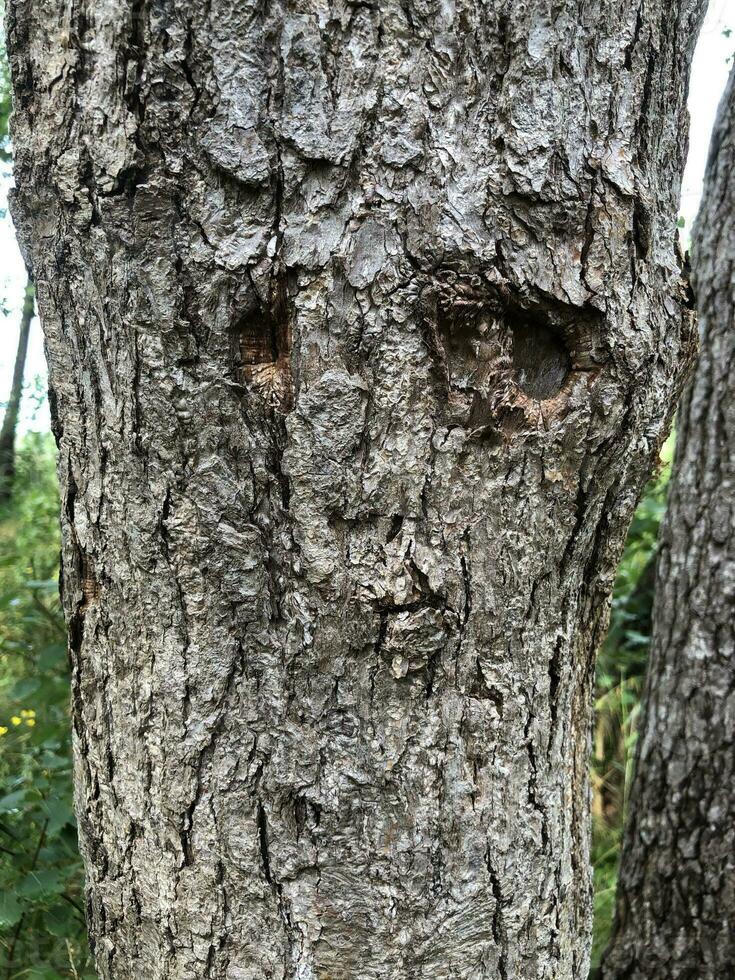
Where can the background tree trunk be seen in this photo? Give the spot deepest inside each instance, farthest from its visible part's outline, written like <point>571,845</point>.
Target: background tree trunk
<point>676,893</point>
<point>364,326</point>
<point>10,419</point>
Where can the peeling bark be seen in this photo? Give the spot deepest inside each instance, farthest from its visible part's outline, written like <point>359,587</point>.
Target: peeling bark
<point>676,894</point>
<point>364,323</point>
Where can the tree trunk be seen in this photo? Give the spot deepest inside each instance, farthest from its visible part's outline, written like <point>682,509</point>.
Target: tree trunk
<point>676,894</point>
<point>10,419</point>
<point>365,324</point>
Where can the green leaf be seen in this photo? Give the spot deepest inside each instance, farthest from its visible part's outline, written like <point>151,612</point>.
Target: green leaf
<point>10,909</point>
<point>59,814</point>
<point>636,638</point>
<point>52,656</point>
<point>61,920</point>
<point>42,972</point>
<point>22,689</point>
<point>39,884</point>
<point>50,760</point>
<point>13,801</point>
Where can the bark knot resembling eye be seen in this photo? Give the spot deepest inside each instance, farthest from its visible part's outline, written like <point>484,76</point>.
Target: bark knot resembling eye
<point>264,342</point>
<point>541,361</point>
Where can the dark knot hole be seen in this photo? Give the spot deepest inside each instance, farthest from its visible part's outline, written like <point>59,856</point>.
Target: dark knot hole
<point>541,361</point>
<point>264,340</point>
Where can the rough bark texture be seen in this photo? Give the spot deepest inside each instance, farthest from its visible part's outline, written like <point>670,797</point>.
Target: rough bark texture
<point>364,324</point>
<point>676,895</point>
<point>10,419</point>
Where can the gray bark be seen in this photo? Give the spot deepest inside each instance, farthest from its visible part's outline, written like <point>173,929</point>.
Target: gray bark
<point>364,326</point>
<point>676,894</point>
<point>12,409</point>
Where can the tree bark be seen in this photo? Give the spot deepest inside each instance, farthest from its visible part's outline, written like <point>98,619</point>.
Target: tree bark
<point>10,419</point>
<point>676,893</point>
<point>365,323</point>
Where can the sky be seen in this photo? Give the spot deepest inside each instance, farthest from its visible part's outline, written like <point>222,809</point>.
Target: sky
<point>712,60</point>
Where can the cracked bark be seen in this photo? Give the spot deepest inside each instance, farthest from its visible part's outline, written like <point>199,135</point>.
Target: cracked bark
<point>364,325</point>
<point>676,895</point>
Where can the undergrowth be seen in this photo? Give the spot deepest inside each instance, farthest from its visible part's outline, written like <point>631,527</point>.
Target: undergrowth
<point>620,674</point>
<point>42,933</point>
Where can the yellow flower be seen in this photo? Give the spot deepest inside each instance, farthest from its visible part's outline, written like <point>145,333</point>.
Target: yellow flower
<point>31,722</point>
<point>15,720</point>
<point>27,713</point>
<point>3,730</point>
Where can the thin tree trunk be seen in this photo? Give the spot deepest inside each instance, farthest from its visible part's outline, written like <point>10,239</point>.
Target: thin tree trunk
<point>10,419</point>
<point>676,894</point>
<point>364,324</point>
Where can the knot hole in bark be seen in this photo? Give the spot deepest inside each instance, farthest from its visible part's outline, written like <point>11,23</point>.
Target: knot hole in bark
<point>88,581</point>
<point>264,348</point>
<point>541,361</point>
<point>504,366</point>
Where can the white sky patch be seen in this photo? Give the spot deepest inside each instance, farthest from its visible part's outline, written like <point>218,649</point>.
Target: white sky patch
<point>710,68</point>
<point>12,284</point>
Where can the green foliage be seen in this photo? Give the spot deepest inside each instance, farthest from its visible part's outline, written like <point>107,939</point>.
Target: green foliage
<point>620,674</point>
<point>42,933</point>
